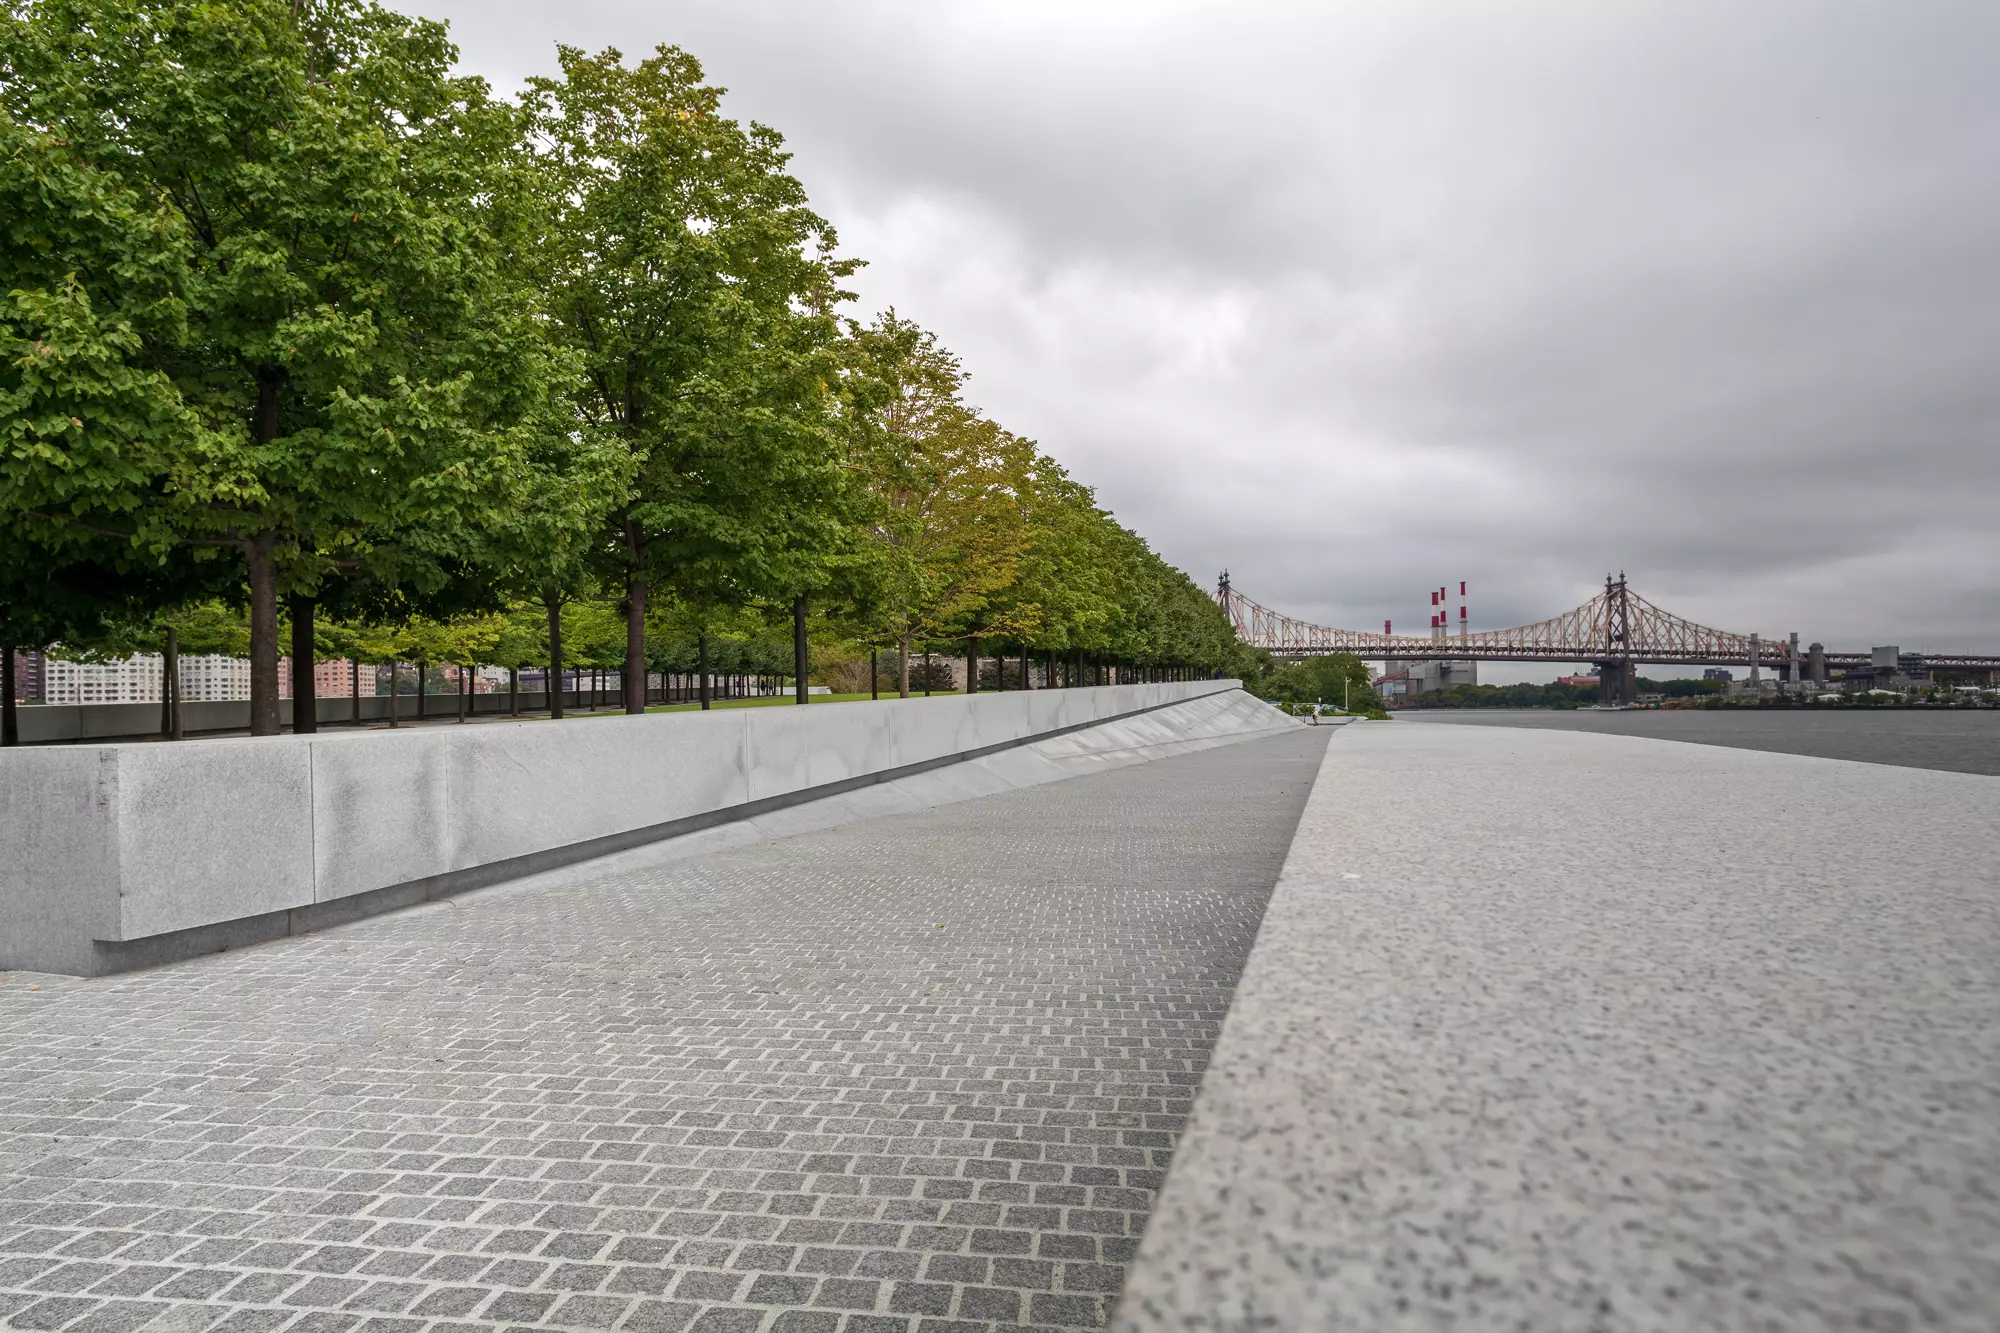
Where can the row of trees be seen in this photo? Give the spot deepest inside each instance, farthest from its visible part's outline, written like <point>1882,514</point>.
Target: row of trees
<point>1339,680</point>
<point>297,318</point>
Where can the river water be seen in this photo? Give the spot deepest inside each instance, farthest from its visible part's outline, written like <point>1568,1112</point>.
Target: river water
<point>1957,740</point>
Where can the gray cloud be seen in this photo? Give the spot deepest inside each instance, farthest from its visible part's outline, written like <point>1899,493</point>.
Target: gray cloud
<point>1362,300</point>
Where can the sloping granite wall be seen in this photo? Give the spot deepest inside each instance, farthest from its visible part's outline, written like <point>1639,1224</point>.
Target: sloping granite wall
<point>120,856</point>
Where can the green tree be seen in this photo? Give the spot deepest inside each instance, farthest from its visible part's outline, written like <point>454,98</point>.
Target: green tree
<point>941,491</point>
<point>1340,679</point>
<point>324,179</point>
<point>684,267</point>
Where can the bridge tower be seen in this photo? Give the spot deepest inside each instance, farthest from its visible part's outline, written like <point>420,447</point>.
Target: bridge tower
<point>1617,681</point>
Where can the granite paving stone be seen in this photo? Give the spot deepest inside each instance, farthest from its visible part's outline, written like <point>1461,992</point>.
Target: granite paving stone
<point>923,1072</point>
<point>1618,1035</point>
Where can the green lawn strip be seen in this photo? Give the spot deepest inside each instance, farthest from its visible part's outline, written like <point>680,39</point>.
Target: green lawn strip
<point>770,701</point>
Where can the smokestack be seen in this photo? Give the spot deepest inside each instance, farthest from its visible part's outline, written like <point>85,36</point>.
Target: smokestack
<point>1386,631</point>
<point>1461,587</point>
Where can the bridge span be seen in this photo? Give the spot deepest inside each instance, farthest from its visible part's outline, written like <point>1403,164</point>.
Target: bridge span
<point>1617,629</point>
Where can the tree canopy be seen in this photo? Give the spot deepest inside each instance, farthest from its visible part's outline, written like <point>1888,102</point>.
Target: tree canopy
<point>296,320</point>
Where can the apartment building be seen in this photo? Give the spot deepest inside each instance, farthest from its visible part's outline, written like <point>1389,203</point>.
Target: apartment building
<point>137,680</point>
<point>132,680</point>
<point>209,678</point>
<point>329,679</point>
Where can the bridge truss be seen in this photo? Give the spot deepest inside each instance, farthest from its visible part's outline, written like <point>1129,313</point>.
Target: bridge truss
<point>1617,625</point>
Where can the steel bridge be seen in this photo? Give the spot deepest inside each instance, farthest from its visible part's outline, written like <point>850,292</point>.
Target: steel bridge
<point>1616,628</point>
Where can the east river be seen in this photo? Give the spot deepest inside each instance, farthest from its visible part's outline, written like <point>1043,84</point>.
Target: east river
<point>1957,740</point>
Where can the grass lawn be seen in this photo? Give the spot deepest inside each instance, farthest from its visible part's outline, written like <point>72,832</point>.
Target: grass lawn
<point>780,701</point>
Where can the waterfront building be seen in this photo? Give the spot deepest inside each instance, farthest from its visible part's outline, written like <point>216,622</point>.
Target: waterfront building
<point>330,679</point>
<point>212,677</point>
<point>205,678</point>
<point>129,680</point>
<point>1402,677</point>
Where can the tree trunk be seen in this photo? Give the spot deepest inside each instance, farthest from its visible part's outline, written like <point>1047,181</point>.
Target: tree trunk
<point>305,700</point>
<point>173,666</point>
<point>263,580</point>
<point>514,691</point>
<point>354,690</point>
<point>172,697</point>
<point>874,673</point>
<point>801,654</point>
<point>10,720</point>
<point>423,687</point>
<point>903,666</point>
<point>464,690</point>
<point>394,720</point>
<point>635,619</point>
<point>166,689</point>
<point>258,566</point>
<point>972,665</point>
<point>705,687</point>
<point>555,657</point>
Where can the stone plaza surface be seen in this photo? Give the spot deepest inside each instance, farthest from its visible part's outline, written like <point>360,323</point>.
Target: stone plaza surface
<point>923,1072</point>
<point>1551,1031</point>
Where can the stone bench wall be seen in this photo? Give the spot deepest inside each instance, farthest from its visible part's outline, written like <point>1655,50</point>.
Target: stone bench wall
<point>117,856</point>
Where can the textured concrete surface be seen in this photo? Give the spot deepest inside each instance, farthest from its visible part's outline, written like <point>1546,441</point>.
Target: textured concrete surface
<point>1184,728</point>
<point>1957,740</point>
<point>919,1073</point>
<point>213,842</point>
<point>1548,1031</point>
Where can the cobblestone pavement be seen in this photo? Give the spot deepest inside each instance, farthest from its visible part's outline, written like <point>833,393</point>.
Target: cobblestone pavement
<point>921,1073</point>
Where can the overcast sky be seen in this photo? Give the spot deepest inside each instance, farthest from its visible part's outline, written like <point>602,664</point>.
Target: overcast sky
<point>1363,300</point>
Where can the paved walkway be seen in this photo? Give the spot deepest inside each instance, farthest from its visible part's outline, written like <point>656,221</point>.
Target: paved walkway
<point>1553,1032</point>
<point>921,1073</point>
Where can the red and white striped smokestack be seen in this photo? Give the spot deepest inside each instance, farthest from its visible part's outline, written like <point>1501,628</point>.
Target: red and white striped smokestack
<point>1461,587</point>
<point>1386,631</point>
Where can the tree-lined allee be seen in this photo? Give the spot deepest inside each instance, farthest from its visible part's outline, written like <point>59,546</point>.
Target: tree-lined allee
<point>302,327</point>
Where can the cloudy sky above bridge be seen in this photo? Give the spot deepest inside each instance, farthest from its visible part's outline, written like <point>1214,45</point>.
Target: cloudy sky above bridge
<point>1361,300</point>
